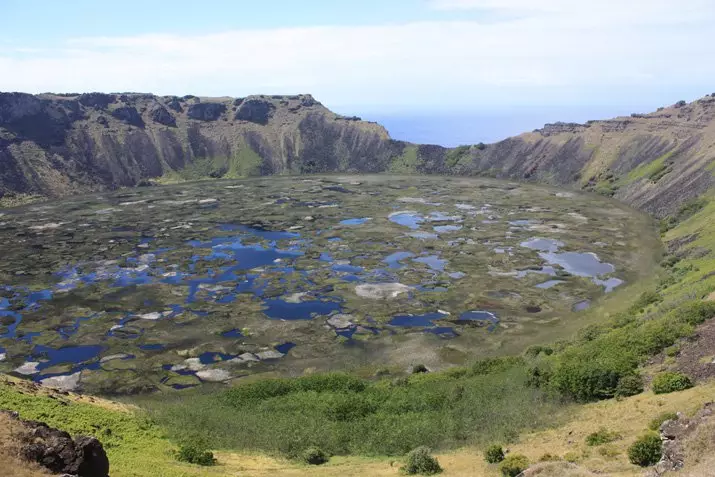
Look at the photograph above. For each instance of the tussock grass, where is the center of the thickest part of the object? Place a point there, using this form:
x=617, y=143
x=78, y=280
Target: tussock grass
x=489, y=402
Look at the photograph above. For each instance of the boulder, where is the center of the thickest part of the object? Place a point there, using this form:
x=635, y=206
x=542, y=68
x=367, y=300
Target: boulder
x=129, y=115
x=256, y=111
x=159, y=114
x=96, y=100
x=175, y=104
x=206, y=111
x=59, y=453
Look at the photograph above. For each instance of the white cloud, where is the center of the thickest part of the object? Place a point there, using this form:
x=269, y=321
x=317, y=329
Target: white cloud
x=553, y=50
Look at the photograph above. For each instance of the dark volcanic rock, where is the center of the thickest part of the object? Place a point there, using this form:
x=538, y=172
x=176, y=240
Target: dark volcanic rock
x=175, y=105
x=59, y=453
x=129, y=115
x=160, y=115
x=206, y=111
x=96, y=100
x=255, y=111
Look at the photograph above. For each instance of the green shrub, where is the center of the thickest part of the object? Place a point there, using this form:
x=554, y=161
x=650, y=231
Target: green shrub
x=602, y=436
x=646, y=451
x=421, y=462
x=419, y=369
x=513, y=465
x=494, y=365
x=669, y=382
x=535, y=350
x=629, y=385
x=672, y=351
x=494, y=454
x=193, y=454
x=646, y=298
x=697, y=312
x=658, y=421
x=314, y=456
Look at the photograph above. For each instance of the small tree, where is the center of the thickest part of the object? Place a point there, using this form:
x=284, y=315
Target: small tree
x=646, y=451
x=421, y=462
x=494, y=454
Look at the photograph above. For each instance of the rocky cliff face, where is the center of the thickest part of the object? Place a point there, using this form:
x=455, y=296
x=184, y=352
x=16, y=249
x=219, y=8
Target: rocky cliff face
x=57, y=145
x=655, y=162
x=54, y=145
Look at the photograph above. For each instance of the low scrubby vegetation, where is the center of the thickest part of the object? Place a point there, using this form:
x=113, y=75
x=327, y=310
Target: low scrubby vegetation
x=604, y=362
x=194, y=454
x=314, y=456
x=646, y=450
x=343, y=414
x=494, y=454
x=421, y=462
x=670, y=382
x=513, y=465
x=602, y=436
x=660, y=419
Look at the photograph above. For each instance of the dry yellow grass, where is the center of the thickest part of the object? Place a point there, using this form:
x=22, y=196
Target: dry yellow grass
x=629, y=417
x=10, y=462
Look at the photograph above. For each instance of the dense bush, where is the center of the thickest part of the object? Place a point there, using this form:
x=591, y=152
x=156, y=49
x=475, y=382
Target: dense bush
x=535, y=350
x=646, y=450
x=494, y=454
x=658, y=421
x=629, y=385
x=513, y=465
x=602, y=436
x=697, y=312
x=193, y=454
x=421, y=462
x=594, y=367
x=314, y=456
x=646, y=298
x=669, y=382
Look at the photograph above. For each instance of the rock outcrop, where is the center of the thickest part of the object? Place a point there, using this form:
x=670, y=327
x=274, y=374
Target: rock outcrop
x=674, y=434
x=56, y=451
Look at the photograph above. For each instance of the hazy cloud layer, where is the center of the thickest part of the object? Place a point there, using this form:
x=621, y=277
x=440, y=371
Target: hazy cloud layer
x=535, y=53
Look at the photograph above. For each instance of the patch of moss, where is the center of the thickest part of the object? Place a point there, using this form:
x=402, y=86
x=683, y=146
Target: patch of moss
x=408, y=162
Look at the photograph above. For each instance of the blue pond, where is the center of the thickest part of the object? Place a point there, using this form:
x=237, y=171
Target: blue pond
x=480, y=316
x=232, y=334
x=393, y=260
x=579, y=264
x=542, y=244
x=285, y=347
x=408, y=219
x=354, y=221
x=68, y=354
x=416, y=320
x=433, y=262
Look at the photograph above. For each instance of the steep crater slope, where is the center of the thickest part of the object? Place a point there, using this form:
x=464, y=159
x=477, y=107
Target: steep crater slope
x=54, y=145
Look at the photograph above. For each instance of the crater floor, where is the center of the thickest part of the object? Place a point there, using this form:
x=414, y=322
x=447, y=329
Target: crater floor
x=171, y=287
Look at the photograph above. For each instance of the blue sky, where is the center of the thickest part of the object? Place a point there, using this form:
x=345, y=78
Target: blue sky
x=499, y=66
